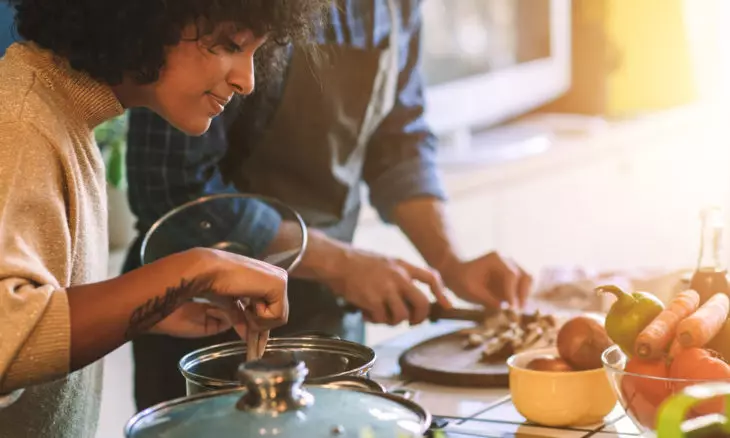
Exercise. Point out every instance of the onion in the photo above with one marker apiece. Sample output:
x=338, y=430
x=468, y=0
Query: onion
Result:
x=581, y=341
x=549, y=363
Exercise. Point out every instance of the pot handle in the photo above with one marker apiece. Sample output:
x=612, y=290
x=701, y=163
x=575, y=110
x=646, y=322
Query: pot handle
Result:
x=407, y=394
x=314, y=334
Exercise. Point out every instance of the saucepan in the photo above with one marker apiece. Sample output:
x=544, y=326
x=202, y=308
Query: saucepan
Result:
x=329, y=360
x=272, y=398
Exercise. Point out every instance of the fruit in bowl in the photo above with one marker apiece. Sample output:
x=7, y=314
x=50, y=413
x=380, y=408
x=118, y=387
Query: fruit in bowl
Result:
x=643, y=386
x=564, y=385
x=665, y=353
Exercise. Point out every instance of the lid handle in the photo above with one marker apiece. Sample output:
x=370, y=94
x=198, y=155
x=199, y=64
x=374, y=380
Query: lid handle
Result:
x=274, y=384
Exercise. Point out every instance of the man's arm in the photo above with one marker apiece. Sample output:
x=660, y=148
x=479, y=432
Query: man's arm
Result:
x=405, y=187
x=167, y=168
x=400, y=167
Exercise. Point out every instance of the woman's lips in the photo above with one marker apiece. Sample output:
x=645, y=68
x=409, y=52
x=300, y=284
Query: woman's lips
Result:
x=217, y=103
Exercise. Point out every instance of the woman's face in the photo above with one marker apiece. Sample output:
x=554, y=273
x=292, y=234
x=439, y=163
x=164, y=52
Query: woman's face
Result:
x=201, y=75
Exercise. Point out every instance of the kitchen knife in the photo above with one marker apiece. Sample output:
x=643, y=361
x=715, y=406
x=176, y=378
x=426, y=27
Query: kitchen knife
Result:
x=459, y=314
x=437, y=313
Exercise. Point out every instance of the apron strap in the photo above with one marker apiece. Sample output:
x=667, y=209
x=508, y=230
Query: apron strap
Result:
x=389, y=80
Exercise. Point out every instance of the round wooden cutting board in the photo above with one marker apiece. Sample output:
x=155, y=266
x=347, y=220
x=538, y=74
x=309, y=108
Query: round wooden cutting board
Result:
x=445, y=361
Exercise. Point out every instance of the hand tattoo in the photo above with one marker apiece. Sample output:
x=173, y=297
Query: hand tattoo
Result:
x=156, y=309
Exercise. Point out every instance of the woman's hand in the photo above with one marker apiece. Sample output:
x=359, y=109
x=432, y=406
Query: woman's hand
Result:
x=222, y=279
x=157, y=298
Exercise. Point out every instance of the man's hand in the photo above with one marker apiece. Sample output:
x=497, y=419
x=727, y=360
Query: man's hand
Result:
x=384, y=288
x=489, y=280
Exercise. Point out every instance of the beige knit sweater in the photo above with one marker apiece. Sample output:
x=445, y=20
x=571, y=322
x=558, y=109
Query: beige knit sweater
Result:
x=53, y=234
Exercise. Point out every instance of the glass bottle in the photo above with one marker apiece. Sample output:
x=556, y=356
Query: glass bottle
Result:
x=710, y=276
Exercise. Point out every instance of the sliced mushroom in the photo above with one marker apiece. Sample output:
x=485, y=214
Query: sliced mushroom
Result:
x=549, y=320
x=533, y=336
x=509, y=331
x=492, y=346
x=511, y=315
x=512, y=333
x=472, y=331
x=474, y=340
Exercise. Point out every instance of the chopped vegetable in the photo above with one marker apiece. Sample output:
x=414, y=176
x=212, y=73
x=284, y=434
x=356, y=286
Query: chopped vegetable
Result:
x=653, y=341
x=629, y=315
x=699, y=328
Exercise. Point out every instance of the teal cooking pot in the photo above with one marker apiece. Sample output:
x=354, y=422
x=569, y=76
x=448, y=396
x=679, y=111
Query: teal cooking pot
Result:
x=273, y=400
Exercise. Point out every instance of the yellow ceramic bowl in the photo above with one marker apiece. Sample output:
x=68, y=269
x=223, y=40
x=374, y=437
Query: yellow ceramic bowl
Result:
x=560, y=399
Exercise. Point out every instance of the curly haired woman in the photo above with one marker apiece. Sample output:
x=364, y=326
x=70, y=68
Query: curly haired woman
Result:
x=84, y=62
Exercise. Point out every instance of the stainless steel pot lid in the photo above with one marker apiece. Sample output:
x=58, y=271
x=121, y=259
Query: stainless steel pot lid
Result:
x=275, y=402
x=217, y=366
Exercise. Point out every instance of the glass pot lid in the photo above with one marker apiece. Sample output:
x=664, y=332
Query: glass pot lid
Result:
x=250, y=225
x=275, y=402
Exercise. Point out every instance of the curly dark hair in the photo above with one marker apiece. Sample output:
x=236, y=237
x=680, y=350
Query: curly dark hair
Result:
x=111, y=38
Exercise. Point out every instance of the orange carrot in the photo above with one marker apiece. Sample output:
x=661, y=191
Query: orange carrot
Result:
x=656, y=337
x=674, y=350
x=699, y=328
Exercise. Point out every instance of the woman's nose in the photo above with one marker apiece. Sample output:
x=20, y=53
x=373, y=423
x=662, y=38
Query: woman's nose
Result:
x=242, y=76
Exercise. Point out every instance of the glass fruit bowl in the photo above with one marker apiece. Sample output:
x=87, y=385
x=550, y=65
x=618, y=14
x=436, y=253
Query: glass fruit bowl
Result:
x=642, y=395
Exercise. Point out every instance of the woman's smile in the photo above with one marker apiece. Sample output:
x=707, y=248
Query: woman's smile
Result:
x=217, y=103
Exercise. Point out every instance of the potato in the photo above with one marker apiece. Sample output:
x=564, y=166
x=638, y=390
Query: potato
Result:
x=581, y=341
x=549, y=363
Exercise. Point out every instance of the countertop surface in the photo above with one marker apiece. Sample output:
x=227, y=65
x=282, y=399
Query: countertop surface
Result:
x=477, y=412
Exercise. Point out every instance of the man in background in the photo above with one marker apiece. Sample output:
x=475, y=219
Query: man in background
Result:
x=7, y=15
x=310, y=137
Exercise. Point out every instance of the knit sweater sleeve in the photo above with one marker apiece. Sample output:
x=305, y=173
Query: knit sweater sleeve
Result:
x=35, y=255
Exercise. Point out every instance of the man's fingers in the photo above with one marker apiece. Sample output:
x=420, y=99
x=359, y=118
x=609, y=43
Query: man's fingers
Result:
x=489, y=295
x=419, y=305
x=430, y=278
x=377, y=313
x=397, y=309
x=524, y=286
x=507, y=276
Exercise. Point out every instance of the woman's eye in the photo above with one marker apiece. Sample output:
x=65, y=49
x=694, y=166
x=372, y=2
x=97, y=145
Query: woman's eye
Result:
x=228, y=47
x=233, y=48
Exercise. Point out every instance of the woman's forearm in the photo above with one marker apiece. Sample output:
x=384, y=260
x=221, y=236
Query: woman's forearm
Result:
x=106, y=315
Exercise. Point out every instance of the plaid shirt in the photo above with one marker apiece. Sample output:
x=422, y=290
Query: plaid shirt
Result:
x=167, y=168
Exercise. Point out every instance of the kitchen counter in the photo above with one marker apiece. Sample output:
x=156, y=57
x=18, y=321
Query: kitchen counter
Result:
x=477, y=412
